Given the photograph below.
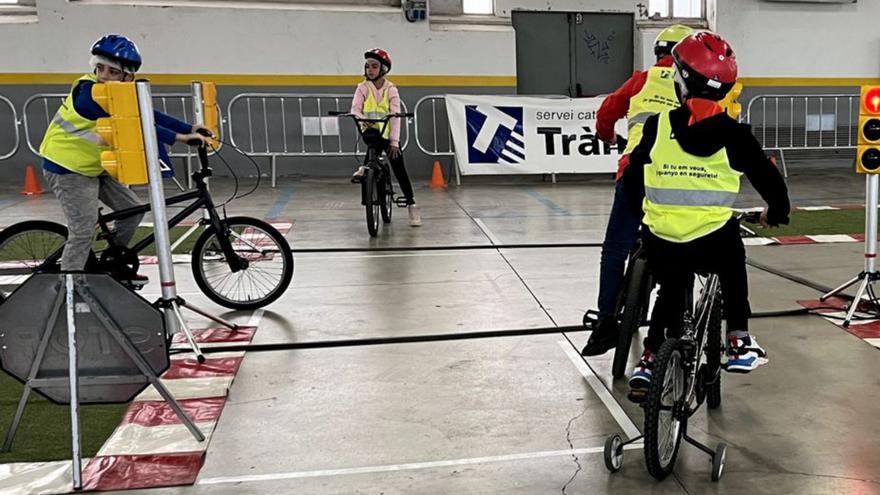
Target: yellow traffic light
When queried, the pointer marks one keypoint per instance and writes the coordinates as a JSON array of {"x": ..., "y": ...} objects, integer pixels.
[
  {"x": 730, "y": 103},
  {"x": 122, "y": 132},
  {"x": 868, "y": 154}
]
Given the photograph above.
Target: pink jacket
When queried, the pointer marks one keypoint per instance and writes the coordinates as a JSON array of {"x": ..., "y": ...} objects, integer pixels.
[{"x": 360, "y": 96}]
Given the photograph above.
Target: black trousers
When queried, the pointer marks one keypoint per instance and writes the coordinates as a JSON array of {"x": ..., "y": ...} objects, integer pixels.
[
  {"x": 673, "y": 265},
  {"x": 399, "y": 169}
]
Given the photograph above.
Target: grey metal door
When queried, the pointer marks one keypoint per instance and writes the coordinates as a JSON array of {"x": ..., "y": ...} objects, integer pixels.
[{"x": 572, "y": 53}]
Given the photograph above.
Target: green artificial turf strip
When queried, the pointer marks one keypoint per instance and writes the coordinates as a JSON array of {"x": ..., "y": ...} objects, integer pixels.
[
  {"x": 44, "y": 433},
  {"x": 819, "y": 222}
]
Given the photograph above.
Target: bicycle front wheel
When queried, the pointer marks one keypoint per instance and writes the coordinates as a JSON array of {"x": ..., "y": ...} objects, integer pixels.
[
  {"x": 267, "y": 271},
  {"x": 664, "y": 409},
  {"x": 634, "y": 303},
  {"x": 372, "y": 201},
  {"x": 714, "y": 348}
]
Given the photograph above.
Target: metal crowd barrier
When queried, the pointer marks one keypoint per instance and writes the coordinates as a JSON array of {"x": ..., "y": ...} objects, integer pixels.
[
  {"x": 39, "y": 109},
  {"x": 804, "y": 122},
  {"x": 13, "y": 115},
  {"x": 295, "y": 125},
  {"x": 432, "y": 110}
]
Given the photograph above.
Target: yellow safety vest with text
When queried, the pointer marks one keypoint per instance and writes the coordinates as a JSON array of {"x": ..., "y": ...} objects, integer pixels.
[
  {"x": 657, "y": 95},
  {"x": 686, "y": 196},
  {"x": 379, "y": 109},
  {"x": 72, "y": 141}
]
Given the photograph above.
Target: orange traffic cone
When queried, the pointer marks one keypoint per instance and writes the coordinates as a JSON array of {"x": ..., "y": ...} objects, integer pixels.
[
  {"x": 31, "y": 183},
  {"x": 437, "y": 180}
]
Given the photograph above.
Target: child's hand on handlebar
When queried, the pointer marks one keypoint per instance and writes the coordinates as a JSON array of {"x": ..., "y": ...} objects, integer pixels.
[
  {"x": 193, "y": 139},
  {"x": 200, "y": 129},
  {"x": 763, "y": 219}
]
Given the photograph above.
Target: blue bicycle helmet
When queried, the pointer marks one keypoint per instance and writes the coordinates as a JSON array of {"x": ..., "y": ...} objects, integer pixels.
[{"x": 121, "y": 49}]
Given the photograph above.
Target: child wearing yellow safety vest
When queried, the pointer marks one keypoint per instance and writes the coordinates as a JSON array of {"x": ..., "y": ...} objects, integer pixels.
[
  {"x": 686, "y": 173},
  {"x": 71, "y": 151},
  {"x": 374, "y": 98}
]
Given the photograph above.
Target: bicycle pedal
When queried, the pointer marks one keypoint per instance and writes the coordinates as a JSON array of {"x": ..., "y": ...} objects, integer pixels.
[{"x": 401, "y": 202}]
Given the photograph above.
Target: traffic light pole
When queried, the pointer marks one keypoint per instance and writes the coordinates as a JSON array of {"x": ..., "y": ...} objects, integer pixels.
[
  {"x": 170, "y": 303},
  {"x": 869, "y": 275}
]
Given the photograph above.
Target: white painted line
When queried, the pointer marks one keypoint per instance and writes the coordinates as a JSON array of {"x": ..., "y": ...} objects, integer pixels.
[
  {"x": 837, "y": 317},
  {"x": 190, "y": 388},
  {"x": 758, "y": 241},
  {"x": 873, "y": 342},
  {"x": 135, "y": 439},
  {"x": 214, "y": 355},
  {"x": 825, "y": 238},
  {"x": 494, "y": 240},
  {"x": 626, "y": 424},
  {"x": 255, "y": 318},
  {"x": 817, "y": 208},
  {"x": 403, "y": 467},
  {"x": 750, "y": 209}
]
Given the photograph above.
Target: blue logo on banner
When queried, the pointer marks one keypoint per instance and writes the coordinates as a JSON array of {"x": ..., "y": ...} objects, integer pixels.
[{"x": 495, "y": 134}]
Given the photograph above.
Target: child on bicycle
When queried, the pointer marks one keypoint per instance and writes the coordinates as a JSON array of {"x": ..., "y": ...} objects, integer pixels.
[
  {"x": 71, "y": 151},
  {"x": 686, "y": 173},
  {"x": 375, "y": 98},
  {"x": 645, "y": 93}
]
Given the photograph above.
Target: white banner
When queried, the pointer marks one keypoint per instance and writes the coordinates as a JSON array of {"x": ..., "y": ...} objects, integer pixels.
[{"x": 529, "y": 135}]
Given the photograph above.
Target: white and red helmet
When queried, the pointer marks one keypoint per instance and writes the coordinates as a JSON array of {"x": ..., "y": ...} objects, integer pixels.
[{"x": 705, "y": 66}]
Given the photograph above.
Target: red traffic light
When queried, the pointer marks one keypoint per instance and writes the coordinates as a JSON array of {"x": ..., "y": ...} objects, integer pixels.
[{"x": 871, "y": 99}]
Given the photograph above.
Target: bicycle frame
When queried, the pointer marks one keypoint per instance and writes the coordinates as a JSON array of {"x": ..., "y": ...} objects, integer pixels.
[{"x": 202, "y": 199}]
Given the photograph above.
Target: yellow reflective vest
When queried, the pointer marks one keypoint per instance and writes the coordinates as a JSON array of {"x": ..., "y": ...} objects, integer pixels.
[
  {"x": 686, "y": 196},
  {"x": 71, "y": 141},
  {"x": 379, "y": 109},
  {"x": 657, "y": 95}
]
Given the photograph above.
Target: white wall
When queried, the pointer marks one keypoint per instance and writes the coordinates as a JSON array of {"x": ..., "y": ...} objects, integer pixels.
[
  {"x": 802, "y": 40},
  {"x": 771, "y": 39},
  {"x": 258, "y": 41}
]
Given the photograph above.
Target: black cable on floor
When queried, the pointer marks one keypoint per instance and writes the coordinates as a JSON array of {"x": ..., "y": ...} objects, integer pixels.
[{"x": 409, "y": 339}]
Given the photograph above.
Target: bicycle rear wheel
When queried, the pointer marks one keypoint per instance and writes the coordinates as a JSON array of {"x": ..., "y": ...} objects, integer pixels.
[
  {"x": 386, "y": 197},
  {"x": 372, "y": 201},
  {"x": 268, "y": 270},
  {"x": 634, "y": 303},
  {"x": 663, "y": 409},
  {"x": 25, "y": 248}
]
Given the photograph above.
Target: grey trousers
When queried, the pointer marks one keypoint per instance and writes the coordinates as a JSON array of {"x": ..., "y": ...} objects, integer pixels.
[{"x": 79, "y": 197}]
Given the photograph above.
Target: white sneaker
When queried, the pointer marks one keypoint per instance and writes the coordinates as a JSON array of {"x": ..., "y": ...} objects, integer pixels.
[
  {"x": 744, "y": 355},
  {"x": 358, "y": 174},
  {"x": 415, "y": 215}
]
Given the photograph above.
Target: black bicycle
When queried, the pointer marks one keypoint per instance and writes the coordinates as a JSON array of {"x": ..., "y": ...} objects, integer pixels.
[
  {"x": 686, "y": 373},
  {"x": 238, "y": 262},
  {"x": 377, "y": 192}
]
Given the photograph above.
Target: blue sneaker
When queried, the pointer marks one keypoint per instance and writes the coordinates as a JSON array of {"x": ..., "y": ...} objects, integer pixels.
[
  {"x": 744, "y": 355},
  {"x": 640, "y": 381}
]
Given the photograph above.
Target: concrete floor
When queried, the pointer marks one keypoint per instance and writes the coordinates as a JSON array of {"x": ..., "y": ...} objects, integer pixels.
[{"x": 502, "y": 415}]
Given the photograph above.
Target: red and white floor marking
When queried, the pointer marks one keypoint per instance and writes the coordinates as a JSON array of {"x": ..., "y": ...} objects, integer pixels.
[
  {"x": 864, "y": 325},
  {"x": 151, "y": 448}
]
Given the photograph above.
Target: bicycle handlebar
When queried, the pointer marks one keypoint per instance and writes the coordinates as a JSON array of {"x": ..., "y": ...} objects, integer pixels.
[{"x": 386, "y": 118}]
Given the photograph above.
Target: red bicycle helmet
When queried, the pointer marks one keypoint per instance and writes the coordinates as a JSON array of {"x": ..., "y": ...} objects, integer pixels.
[
  {"x": 706, "y": 65},
  {"x": 380, "y": 55}
]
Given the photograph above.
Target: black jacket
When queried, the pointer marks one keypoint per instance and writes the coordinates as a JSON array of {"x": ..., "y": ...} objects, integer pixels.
[{"x": 704, "y": 139}]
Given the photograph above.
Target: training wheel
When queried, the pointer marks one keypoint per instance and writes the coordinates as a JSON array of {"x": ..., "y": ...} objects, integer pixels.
[
  {"x": 613, "y": 453},
  {"x": 718, "y": 461}
]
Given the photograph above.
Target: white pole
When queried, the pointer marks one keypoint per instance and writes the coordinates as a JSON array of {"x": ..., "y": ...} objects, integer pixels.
[
  {"x": 74, "y": 384},
  {"x": 157, "y": 202},
  {"x": 871, "y": 201}
]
